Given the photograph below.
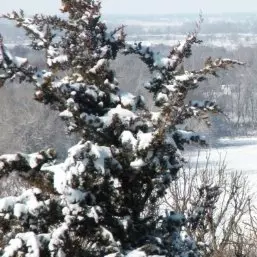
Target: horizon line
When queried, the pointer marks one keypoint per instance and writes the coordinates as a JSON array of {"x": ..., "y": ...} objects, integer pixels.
[{"x": 181, "y": 13}]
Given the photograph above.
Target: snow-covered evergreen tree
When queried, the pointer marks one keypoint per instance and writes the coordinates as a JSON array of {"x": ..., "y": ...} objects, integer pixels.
[{"x": 100, "y": 200}]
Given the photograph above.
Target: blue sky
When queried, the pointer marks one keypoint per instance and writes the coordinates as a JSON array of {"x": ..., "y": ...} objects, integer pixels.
[{"x": 140, "y": 6}]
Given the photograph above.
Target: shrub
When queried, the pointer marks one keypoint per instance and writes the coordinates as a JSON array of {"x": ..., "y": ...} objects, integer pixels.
[{"x": 127, "y": 156}]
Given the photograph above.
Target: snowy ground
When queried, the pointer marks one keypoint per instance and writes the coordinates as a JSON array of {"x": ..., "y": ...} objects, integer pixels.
[
  {"x": 228, "y": 41},
  {"x": 230, "y": 31},
  {"x": 239, "y": 154}
]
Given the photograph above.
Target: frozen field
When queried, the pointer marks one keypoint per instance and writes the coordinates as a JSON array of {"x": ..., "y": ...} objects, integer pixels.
[
  {"x": 228, "y": 41},
  {"x": 239, "y": 154}
]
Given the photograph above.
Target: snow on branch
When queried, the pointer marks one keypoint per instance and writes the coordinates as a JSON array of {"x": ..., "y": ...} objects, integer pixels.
[
  {"x": 182, "y": 136},
  {"x": 25, "y": 162},
  {"x": 29, "y": 25},
  {"x": 177, "y": 54},
  {"x": 104, "y": 194}
]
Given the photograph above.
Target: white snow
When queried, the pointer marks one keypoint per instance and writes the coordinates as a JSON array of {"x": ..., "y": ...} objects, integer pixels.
[
  {"x": 165, "y": 62},
  {"x": 230, "y": 42},
  {"x": 181, "y": 46},
  {"x": 75, "y": 166},
  {"x": 107, "y": 235},
  {"x": 155, "y": 116},
  {"x": 55, "y": 57},
  {"x": 171, "y": 88},
  {"x": 7, "y": 203},
  {"x": 92, "y": 92},
  {"x": 127, "y": 138},
  {"x": 184, "y": 77},
  {"x": 73, "y": 195},
  {"x": 23, "y": 205},
  {"x": 187, "y": 135},
  {"x": 57, "y": 237},
  {"x": 137, "y": 163},
  {"x": 124, "y": 115},
  {"x": 10, "y": 157},
  {"x": 144, "y": 140},
  {"x": 162, "y": 98},
  {"x": 13, "y": 247},
  {"x": 101, "y": 153},
  {"x": 58, "y": 59},
  {"x": 66, "y": 114},
  {"x": 136, "y": 253},
  {"x": 33, "y": 159},
  {"x": 100, "y": 63},
  {"x": 31, "y": 242},
  {"x": 239, "y": 155},
  {"x": 19, "y": 61},
  {"x": 93, "y": 214},
  {"x": 114, "y": 98},
  {"x": 112, "y": 255},
  {"x": 127, "y": 99},
  {"x": 19, "y": 210}
]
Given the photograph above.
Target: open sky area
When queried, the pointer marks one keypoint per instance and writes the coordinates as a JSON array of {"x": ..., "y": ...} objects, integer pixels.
[{"x": 139, "y": 6}]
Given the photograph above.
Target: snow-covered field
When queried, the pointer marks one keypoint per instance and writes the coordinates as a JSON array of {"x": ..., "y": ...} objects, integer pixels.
[
  {"x": 238, "y": 154},
  {"x": 228, "y": 41},
  {"x": 230, "y": 31}
]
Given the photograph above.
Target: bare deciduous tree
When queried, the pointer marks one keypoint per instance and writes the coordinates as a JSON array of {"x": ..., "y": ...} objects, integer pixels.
[{"x": 217, "y": 201}]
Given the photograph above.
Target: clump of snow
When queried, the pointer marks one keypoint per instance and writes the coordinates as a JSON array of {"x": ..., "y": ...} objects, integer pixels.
[
  {"x": 107, "y": 235},
  {"x": 31, "y": 241},
  {"x": 144, "y": 140},
  {"x": 137, "y": 164},
  {"x": 165, "y": 62},
  {"x": 155, "y": 117},
  {"x": 171, "y": 87},
  {"x": 100, "y": 153},
  {"x": 19, "y": 61},
  {"x": 125, "y": 116},
  {"x": 58, "y": 59},
  {"x": 127, "y": 138},
  {"x": 92, "y": 92},
  {"x": 57, "y": 238},
  {"x": 127, "y": 99},
  {"x": 24, "y": 161},
  {"x": 66, "y": 114},
  {"x": 190, "y": 136},
  {"x": 75, "y": 165},
  {"x": 55, "y": 57},
  {"x": 136, "y": 253},
  {"x": 13, "y": 247},
  {"x": 23, "y": 205},
  {"x": 10, "y": 158},
  {"x": 100, "y": 63},
  {"x": 185, "y": 77},
  {"x": 93, "y": 214},
  {"x": 161, "y": 98}
]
